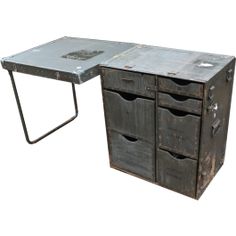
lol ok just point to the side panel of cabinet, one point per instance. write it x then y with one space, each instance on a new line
215 119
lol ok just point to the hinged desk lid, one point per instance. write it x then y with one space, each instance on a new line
69 59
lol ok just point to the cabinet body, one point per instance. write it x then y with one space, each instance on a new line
169 131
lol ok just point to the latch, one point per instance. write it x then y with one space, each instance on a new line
212 107
210 93
215 127
229 75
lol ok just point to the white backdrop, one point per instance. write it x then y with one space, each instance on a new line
63 185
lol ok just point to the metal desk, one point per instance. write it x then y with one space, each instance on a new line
166 110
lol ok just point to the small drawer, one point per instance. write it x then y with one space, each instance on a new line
177 173
129 114
178 132
132 155
179 102
181 87
131 82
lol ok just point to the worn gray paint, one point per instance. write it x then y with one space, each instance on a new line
164 121
213 144
47 60
131 117
135 83
187 89
177 174
180 103
137 157
178 133
174 63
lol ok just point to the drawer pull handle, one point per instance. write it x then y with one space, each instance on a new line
181 82
179 97
128 96
131 139
127 80
216 127
177 112
177 156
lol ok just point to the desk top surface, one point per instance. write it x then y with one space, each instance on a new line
75 59
174 63
78 59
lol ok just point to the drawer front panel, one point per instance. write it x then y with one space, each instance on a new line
181 87
179 134
132 155
177 173
131 82
180 103
129 115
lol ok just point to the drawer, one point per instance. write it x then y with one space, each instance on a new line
132 155
130 82
181 87
177 172
178 132
129 114
180 103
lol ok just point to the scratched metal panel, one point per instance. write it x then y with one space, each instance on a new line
70 59
174 63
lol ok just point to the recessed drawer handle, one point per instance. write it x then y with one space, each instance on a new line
181 82
127 80
177 112
131 139
128 96
216 127
176 156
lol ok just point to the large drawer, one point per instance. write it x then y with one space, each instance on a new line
177 172
130 115
178 132
131 82
180 103
182 87
132 155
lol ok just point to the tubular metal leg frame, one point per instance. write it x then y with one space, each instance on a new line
22 115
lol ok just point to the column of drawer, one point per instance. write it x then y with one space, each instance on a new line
130 120
179 121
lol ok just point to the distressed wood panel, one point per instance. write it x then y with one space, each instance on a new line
131 82
178 133
217 100
181 87
132 155
130 115
180 103
177 173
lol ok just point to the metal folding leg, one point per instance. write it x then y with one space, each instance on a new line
22 116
